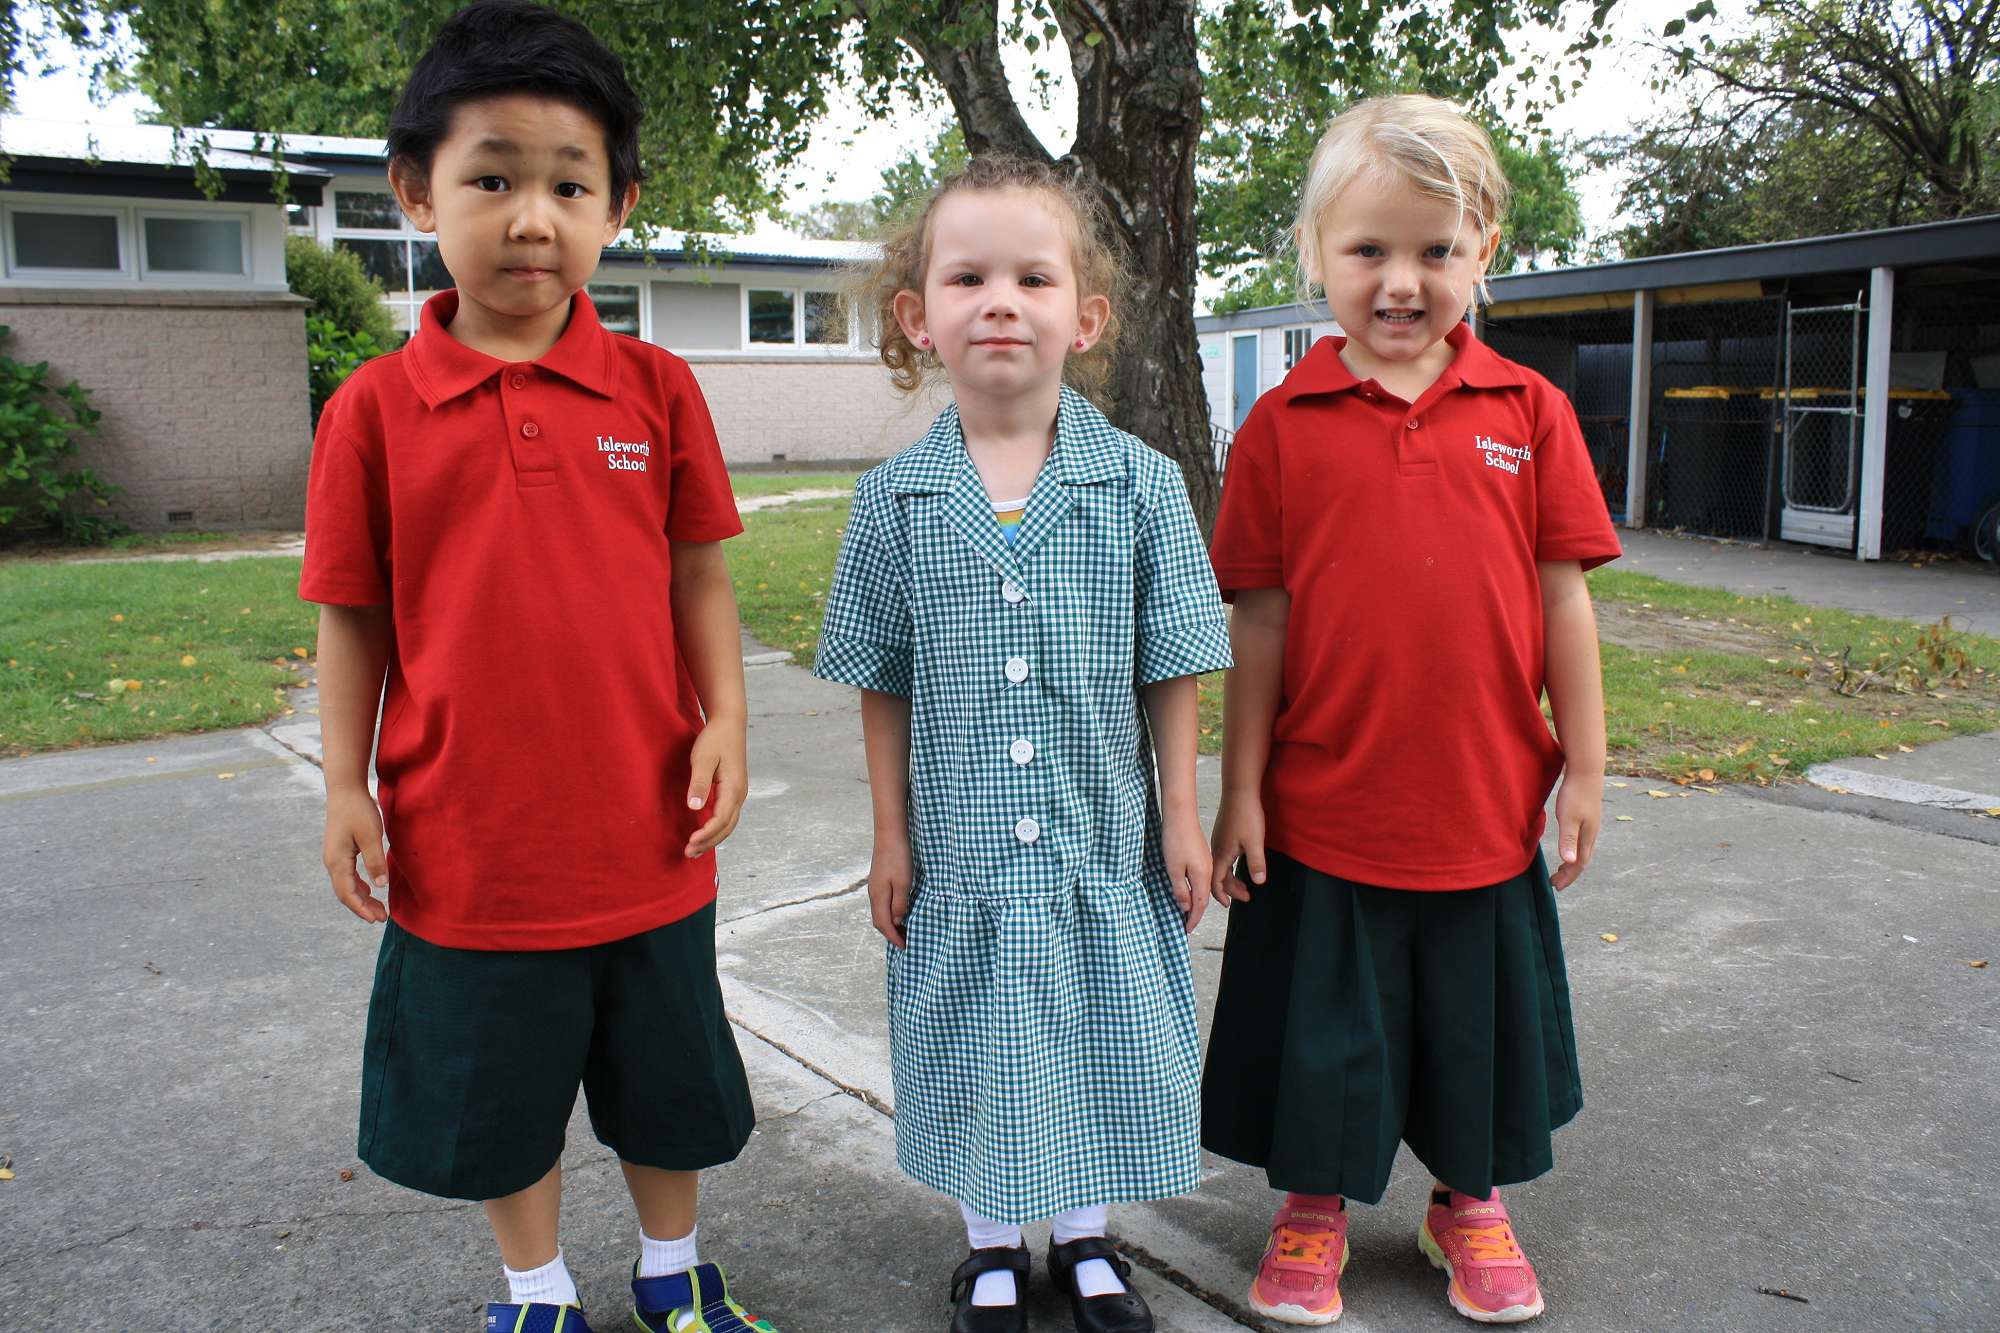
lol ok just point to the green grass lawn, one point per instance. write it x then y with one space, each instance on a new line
750 485
117 652
1700 684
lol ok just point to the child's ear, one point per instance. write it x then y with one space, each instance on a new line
413 192
1488 251
1092 314
616 223
910 316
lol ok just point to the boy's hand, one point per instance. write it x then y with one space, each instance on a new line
720 781
354 828
1579 814
1239 831
1188 866
890 871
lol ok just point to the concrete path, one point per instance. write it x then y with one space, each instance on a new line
1791 1074
1968 592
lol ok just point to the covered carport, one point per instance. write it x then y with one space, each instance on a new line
1842 391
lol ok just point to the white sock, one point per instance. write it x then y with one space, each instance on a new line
658 1258
550 1284
1094 1277
983 1233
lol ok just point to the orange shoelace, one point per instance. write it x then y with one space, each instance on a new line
1295 1248
1491 1244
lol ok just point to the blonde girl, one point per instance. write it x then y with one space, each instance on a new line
1404 529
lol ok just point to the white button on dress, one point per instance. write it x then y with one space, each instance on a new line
1011 593
1027 830
1021 751
1017 669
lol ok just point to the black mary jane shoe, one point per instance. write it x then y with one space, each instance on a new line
970 1318
1120 1312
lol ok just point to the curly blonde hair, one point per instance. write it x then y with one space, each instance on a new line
906 254
1442 152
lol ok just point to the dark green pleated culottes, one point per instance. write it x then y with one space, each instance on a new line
1352 1018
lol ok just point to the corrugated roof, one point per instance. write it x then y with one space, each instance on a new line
136 145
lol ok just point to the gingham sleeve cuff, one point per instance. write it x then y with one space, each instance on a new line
862 664
1187 650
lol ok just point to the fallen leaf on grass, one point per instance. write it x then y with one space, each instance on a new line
117 616
1624 819
1621 785
300 652
1660 795
224 777
1939 723
6 1173
1706 775
1906 749
187 659
1608 937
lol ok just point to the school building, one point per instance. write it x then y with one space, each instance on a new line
1842 391
171 307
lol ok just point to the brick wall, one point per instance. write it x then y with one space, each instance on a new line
811 411
204 398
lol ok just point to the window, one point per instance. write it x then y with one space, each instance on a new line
826 322
366 210
771 317
617 306
192 245
781 317
86 241
1296 343
302 217
370 225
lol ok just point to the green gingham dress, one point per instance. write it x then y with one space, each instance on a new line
1041 1020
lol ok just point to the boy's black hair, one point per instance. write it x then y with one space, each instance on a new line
496 47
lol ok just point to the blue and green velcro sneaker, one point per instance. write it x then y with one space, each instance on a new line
535 1317
700 1296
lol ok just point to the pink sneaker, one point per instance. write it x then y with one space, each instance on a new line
1298 1280
1473 1240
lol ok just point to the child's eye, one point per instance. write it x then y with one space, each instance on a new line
569 190
491 184
964 280
1439 251
1034 280
1367 251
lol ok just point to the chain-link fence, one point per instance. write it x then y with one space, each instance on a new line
1588 355
1941 471
1712 454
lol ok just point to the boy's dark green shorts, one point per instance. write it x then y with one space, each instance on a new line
473 1058
1352 1017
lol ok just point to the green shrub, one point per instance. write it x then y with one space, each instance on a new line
339 288
332 353
42 492
347 322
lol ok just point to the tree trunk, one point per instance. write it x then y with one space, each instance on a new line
1139 93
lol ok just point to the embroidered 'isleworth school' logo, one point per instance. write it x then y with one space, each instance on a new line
1506 457
624 455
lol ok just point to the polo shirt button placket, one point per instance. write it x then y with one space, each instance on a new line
517 380
529 430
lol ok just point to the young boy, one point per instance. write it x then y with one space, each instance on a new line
514 524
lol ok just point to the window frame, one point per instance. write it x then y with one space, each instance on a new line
1303 332
120 216
645 301
243 221
798 343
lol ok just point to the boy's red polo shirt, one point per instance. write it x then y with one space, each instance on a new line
1409 749
533 758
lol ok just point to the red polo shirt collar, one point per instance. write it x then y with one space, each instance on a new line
442 367
1474 365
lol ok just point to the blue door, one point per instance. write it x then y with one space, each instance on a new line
1242 377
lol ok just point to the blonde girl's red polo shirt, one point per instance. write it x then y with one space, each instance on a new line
1409 749
516 518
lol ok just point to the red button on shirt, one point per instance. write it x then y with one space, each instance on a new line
530 429
533 759
1409 749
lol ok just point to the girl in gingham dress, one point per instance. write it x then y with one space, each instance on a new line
1011 590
